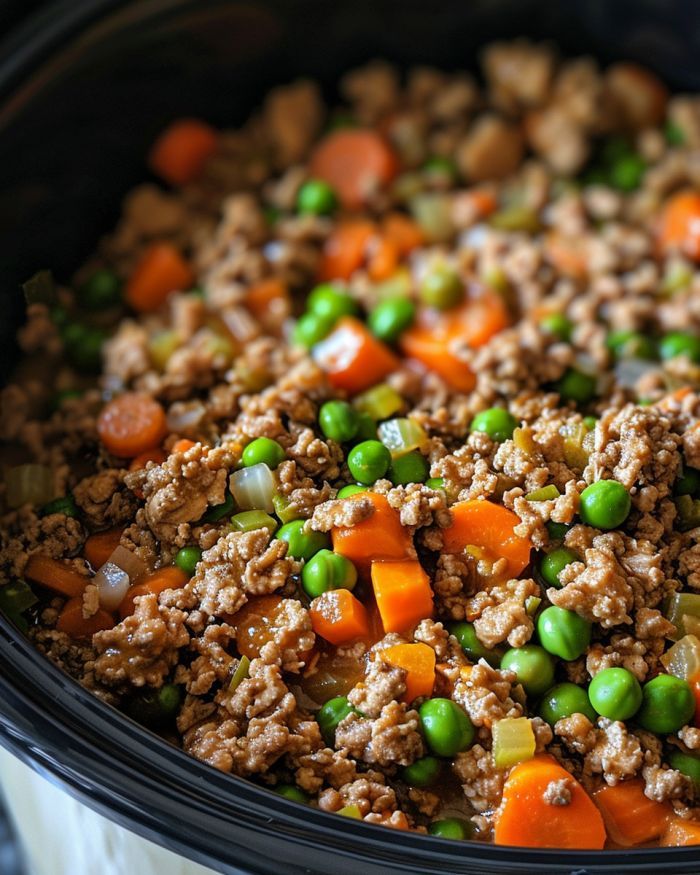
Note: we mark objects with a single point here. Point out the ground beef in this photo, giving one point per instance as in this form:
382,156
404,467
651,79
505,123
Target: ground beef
392,738
104,500
341,513
481,781
503,615
484,693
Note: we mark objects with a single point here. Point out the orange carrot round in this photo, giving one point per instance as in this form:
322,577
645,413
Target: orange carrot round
484,524
679,225
356,163
345,249
160,271
131,424
525,819
55,575
100,546
72,622
170,577
179,154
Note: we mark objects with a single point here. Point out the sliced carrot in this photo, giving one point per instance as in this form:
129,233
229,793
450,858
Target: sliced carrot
379,536
524,817
478,319
100,546
433,353
55,575
170,577
356,163
160,271
382,258
131,423
264,298
404,232
353,358
182,446
679,225
345,249
567,253
156,455
72,622
179,154
630,817
403,593
418,660
338,617
484,524
680,833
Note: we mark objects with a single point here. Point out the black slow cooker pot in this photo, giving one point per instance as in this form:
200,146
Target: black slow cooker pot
84,86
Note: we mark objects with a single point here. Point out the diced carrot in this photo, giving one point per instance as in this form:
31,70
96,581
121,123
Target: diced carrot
403,593
382,258
345,249
170,577
156,455
182,446
524,817
404,232
353,358
379,536
394,820
160,271
100,546
484,200
55,575
680,833
131,424
179,154
418,660
434,353
265,298
338,617
478,319
630,817
72,622
679,225
484,524
356,163
567,253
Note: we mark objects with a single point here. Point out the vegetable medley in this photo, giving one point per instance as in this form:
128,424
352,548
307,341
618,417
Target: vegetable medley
363,458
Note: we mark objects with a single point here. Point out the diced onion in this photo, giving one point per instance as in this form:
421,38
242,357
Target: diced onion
683,659
253,488
130,562
185,415
401,435
29,484
513,741
112,585
680,606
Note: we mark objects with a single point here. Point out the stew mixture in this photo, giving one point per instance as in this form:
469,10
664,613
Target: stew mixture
363,458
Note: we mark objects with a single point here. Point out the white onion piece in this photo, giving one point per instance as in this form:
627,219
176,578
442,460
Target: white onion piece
129,561
629,371
183,416
240,323
112,585
253,488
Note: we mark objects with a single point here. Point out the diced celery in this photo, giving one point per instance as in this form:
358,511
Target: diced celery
677,277
681,605
546,493
513,741
495,278
250,520
379,402
515,217
683,659
284,509
161,346
240,674
532,603
402,435
576,447
433,212
398,285
523,440
350,811
220,347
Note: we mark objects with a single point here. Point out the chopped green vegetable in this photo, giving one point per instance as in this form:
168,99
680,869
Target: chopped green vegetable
250,520
240,674
513,741
379,402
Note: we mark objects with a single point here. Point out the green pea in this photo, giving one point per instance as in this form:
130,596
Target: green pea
576,386
83,347
251,520
290,791
441,168
627,172
615,693
301,544
264,450
605,504
338,421
533,667
687,764
563,632
155,707
317,198
325,571
328,301
446,727
311,328
554,563
557,531
558,325
590,422
369,461
470,644
631,344
187,559
435,483
102,291
391,317
367,428
674,134
451,828
219,511
422,773
688,483
667,704
350,489
496,422
441,288
680,343
329,716
562,701
65,505
412,467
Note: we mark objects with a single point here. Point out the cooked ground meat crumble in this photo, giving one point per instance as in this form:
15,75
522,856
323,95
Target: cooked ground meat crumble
363,458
